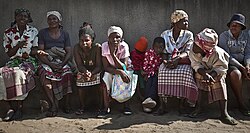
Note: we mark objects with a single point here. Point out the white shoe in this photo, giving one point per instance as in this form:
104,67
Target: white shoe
147,110
149,103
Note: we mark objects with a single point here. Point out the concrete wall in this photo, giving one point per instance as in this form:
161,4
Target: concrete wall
136,17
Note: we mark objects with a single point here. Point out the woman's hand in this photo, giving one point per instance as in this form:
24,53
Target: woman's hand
42,53
124,76
56,67
21,44
246,72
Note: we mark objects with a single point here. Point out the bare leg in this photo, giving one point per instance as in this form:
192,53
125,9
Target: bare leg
225,117
236,85
52,100
198,107
81,98
105,98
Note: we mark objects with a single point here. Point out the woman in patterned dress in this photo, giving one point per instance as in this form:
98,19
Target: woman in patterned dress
87,55
55,54
17,76
175,74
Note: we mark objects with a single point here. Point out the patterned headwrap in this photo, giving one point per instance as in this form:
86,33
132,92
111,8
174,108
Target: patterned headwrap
87,30
117,29
19,11
56,13
207,40
177,15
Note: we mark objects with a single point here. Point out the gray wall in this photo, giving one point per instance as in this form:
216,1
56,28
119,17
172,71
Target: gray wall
136,17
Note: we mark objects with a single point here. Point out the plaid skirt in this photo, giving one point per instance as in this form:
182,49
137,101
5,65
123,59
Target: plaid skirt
61,82
178,82
16,82
217,91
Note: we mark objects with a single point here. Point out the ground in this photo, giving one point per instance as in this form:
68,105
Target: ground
34,121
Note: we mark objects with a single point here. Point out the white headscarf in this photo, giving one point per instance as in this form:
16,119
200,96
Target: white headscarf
56,13
177,15
117,29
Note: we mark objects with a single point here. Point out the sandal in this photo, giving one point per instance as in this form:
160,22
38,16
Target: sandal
9,115
79,112
52,112
245,112
228,120
195,114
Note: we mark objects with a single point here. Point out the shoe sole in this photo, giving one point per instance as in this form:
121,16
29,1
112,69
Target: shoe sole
149,105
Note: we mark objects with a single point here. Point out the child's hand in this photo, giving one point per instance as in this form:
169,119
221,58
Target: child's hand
208,79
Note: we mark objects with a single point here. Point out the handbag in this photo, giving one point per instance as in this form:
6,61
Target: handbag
122,91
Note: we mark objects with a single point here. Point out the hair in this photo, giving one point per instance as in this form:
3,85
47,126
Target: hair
19,11
86,28
159,40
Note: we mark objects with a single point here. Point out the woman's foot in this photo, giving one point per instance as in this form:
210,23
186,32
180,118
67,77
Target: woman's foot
196,113
103,113
127,111
52,112
80,111
228,120
244,111
9,115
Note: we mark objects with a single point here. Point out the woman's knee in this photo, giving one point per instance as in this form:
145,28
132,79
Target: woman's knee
235,75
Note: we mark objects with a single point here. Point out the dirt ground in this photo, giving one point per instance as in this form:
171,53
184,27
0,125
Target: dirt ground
34,121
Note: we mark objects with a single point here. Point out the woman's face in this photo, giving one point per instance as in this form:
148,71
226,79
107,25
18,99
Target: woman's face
85,41
22,19
53,21
115,38
235,28
182,24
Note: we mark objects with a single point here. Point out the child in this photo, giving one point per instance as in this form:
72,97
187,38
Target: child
137,57
151,65
210,64
87,56
115,56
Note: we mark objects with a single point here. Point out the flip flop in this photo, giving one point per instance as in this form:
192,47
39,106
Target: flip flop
195,114
9,115
228,120
79,112
245,112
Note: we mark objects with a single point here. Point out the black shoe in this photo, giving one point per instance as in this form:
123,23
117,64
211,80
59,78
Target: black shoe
103,113
9,115
127,111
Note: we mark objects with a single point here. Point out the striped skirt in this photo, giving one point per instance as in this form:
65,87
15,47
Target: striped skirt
61,82
217,91
178,82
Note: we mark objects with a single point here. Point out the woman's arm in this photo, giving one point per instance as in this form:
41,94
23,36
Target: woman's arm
68,55
98,67
78,61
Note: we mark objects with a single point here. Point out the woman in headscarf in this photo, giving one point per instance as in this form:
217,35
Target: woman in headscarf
236,41
55,53
115,58
87,55
210,63
16,77
175,74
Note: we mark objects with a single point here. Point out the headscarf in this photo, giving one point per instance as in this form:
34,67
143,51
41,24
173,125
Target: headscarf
142,44
19,11
87,30
207,40
177,15
117,29
56,13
